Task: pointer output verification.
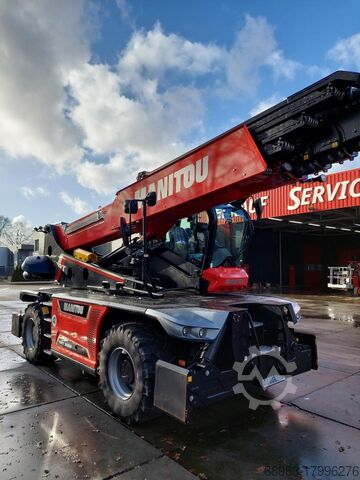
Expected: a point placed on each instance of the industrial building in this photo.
(25, 250)
(6, 262)
(308, 227)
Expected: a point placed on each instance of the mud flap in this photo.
(16, 324)
(171, 389)
(306, 358)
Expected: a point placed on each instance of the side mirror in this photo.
(131, 206)
(258, 207)
(125, 232)
(151, 199)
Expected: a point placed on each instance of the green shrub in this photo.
(17, 276)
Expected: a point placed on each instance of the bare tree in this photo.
(4, 224)
(16, 233)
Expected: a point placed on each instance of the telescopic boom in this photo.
(303, 135)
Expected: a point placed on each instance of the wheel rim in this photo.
(121, 373)
(30, 333)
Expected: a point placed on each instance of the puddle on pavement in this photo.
(67, 440)
(347, 318)
(230, 441)
(26, 386)
(348, 314)
(344, 309)
(9, 359)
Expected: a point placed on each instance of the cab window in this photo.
(188, 237)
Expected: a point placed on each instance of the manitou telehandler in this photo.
(163, 319)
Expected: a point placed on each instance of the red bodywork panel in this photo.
(228, 168)
(75, 333)
(225, 279)
(66, 260)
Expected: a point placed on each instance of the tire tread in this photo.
(147, 347)
(37, 355)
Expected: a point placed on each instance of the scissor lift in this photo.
(344, 278)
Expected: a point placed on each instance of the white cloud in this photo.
(79, 206)
(282, 67)
(265, 104)
(40, 43)
(105, 123)
(317, 72)
(18, 219)
(149, 56)
(21, 219)
(136, 132)
(107, 177)
(255, 47)
(346, 52)
(29, 192)
(139, 119)
(126, 12)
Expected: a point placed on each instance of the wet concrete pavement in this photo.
(48, 429)
(54, 424)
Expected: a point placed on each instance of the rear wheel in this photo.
(35, 336)
(127, 371)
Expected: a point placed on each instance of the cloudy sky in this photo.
(91, 92)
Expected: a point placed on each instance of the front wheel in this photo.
(127, 371)
(36, 333)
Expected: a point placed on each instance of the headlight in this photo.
(186, 331)
(202, 332)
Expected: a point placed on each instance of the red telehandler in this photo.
(164, 319)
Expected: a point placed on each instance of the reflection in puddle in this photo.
(332, 314)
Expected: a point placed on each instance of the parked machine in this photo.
(345, 278)
(163, 319)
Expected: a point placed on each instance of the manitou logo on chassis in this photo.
(179, 180)
(74, 308)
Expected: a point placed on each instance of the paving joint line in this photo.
(325, 386)
(325, 417)
(54, 377)
(135, 466)
(51, 375)
(37, 405)
(340, 371)
(120, 423)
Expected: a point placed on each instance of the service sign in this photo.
(341, 190)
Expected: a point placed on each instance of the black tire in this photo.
(34, 341)
(129, 391)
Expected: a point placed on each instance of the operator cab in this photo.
(205, 252)
(207, 240)
(212, 239)
(233, 233)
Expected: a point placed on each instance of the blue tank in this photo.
(38, 267)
